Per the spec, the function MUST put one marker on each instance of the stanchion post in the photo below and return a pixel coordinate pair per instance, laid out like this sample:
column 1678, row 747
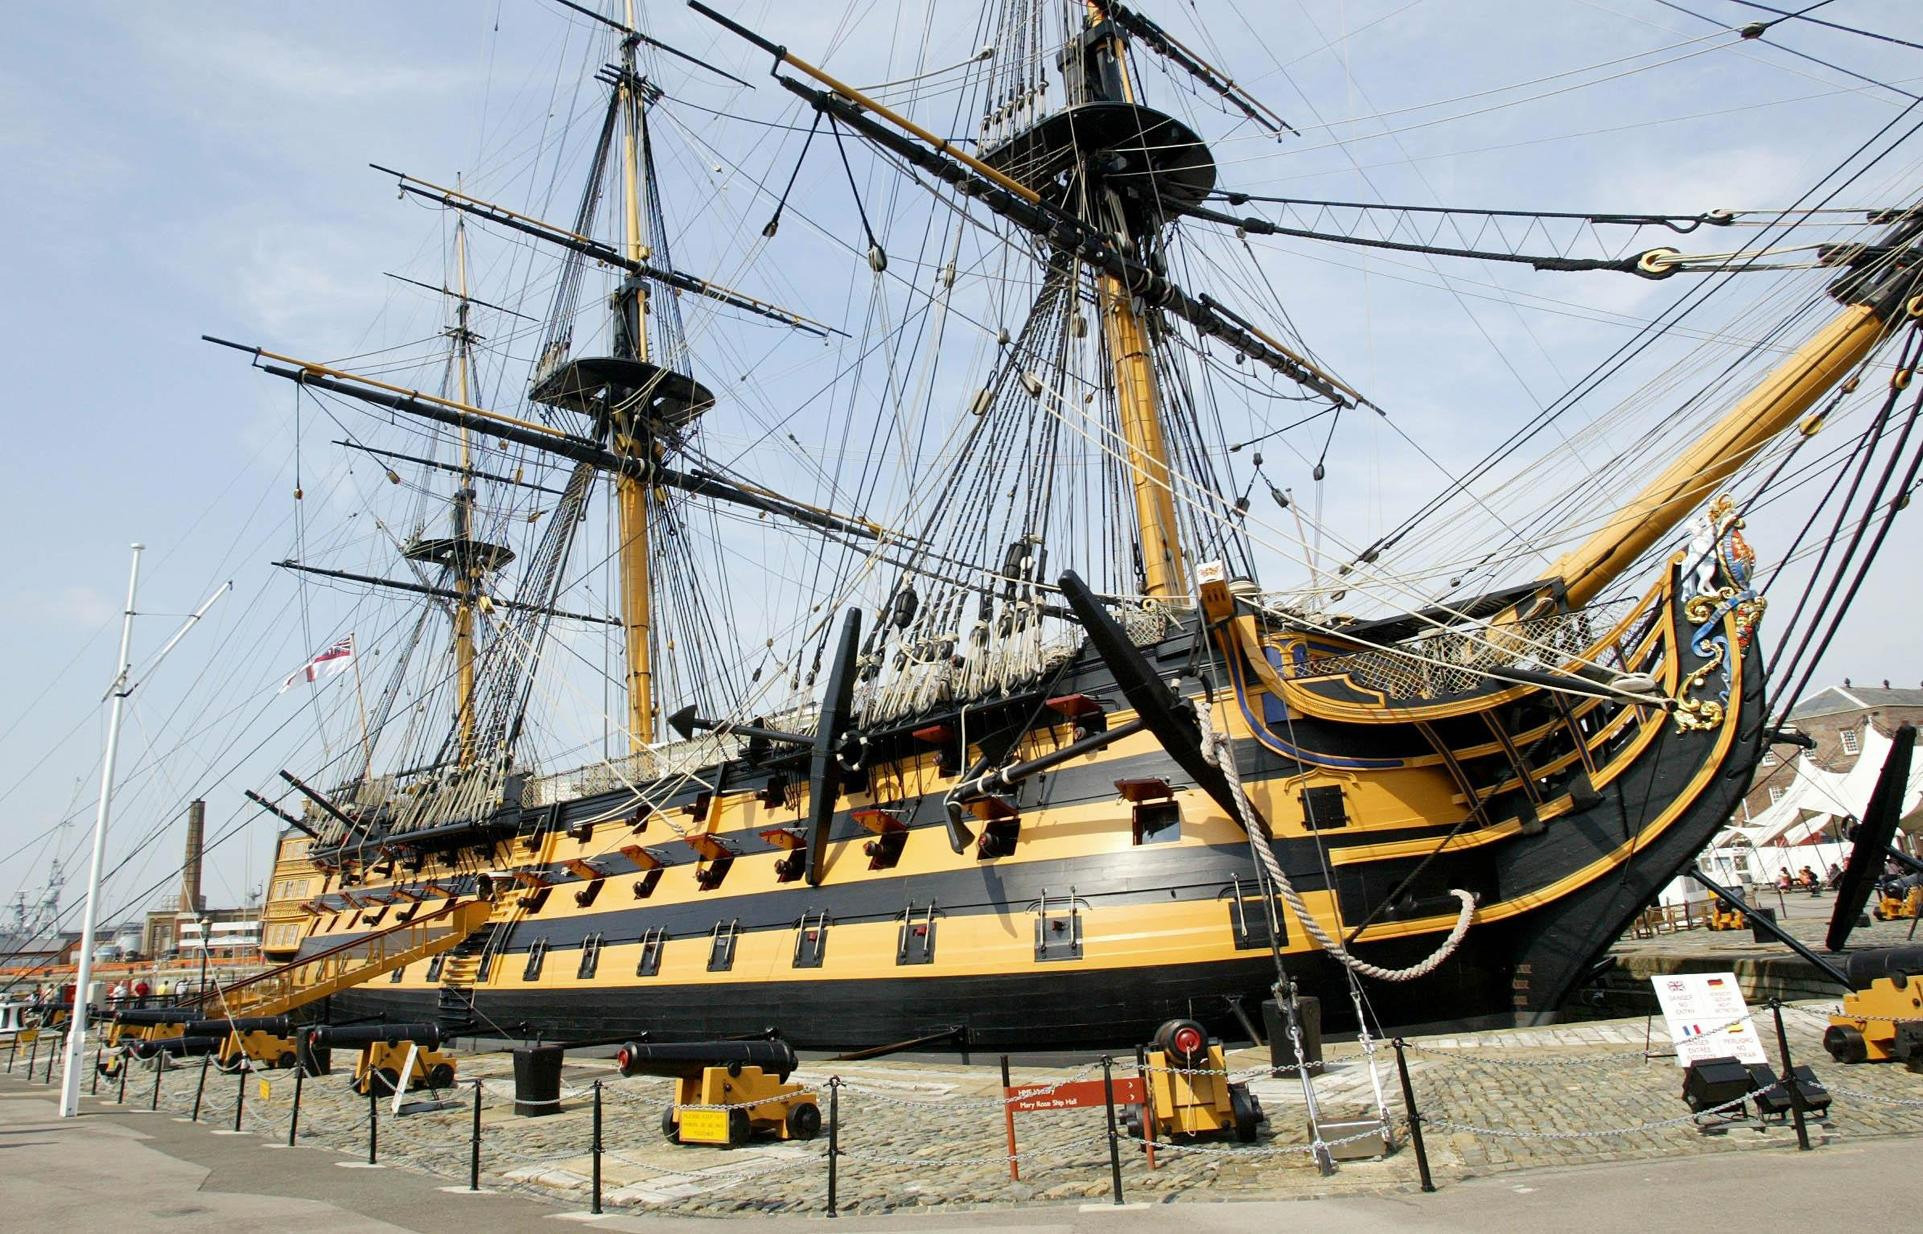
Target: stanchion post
column 1008, row 1122
column 1148, row 1106
column 1789, row 1079
column 160, row 1069
column 13, row 1052
column 1415, row 1118
column 33, row 1052
column 1114, row 1140
column 595, row 1207
column 240, row 1095
column 834, row 1134
column 293, row 1121
column 373, row 1117
column 200, row 1089
column 474, row 1143
column 51, row 1055
column 120, row 1098
column 93, row 1088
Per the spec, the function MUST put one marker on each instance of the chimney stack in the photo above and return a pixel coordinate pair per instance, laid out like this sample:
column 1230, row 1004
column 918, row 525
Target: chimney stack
column 190, row 898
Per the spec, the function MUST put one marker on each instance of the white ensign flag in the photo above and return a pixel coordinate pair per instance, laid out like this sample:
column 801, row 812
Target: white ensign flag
column 336, row 659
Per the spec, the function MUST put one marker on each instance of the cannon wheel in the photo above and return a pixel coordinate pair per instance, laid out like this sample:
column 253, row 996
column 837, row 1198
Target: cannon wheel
column 286, row 1061
column 1845, row 1044
column 804, row 1121
column 669, row 1130
column 1247, row 1113
column 389, row 1080
column 740, row 1127
column 440, row 1075
column 1132, row 1124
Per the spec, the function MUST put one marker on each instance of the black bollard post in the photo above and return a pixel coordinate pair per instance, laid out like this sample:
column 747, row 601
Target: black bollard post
column 1114, row 1141
column 1789, row 1079
column 33, row 1053
column 93, row 1087
column 474, row 1144
column 53, row 1054
column 293, row 1122
column 12, row 1053
column 595, row 1207
column 120, row 1098
column 240, row 1096
column 160, row 1068
column 834, row 1136
column 1415, row 1119
column 200, row 1089
column 373, row 1118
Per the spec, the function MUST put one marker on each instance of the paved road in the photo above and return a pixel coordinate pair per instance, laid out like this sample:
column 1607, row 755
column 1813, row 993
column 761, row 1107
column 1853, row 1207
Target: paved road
column 118, row 1168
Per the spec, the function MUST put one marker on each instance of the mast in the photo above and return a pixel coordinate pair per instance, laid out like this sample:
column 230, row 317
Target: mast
column 632, row 440
column 1879, row 294
column 90, row 914
column 465, row 581
column 1131, row 358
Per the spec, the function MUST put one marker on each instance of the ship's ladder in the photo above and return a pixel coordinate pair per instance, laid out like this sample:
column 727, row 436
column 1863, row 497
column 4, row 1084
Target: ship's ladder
column 308, row 979
column 467, row 963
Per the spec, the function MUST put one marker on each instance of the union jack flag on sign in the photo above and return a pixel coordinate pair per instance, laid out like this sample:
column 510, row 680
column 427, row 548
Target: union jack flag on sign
column 336, row 659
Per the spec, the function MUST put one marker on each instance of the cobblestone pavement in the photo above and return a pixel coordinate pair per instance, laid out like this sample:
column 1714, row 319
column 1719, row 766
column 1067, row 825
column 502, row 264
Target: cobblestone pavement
column 929, row 1136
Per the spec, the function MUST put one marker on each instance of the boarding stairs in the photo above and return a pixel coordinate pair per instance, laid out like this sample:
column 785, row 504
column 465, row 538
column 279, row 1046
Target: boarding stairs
column 468, row 962
column 355, row 962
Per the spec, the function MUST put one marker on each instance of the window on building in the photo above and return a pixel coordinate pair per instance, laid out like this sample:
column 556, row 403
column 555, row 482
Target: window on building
column 1775, row 793
column 1851, row 742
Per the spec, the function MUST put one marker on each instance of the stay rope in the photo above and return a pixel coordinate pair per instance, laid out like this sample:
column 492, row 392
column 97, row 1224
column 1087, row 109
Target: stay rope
column 1215, row 748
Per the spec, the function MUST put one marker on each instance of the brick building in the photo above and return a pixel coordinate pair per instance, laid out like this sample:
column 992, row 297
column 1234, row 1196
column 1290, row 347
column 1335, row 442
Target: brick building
column 1835, row 719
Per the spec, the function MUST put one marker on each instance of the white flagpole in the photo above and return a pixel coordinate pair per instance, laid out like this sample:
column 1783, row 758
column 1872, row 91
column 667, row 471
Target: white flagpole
column 90, row 916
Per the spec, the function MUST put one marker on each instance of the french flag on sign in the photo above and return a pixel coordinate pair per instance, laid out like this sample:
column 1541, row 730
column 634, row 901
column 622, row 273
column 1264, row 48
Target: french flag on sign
column 336, row 659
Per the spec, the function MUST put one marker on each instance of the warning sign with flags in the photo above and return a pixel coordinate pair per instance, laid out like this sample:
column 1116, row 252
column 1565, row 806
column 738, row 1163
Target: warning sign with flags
column 1707, row 1017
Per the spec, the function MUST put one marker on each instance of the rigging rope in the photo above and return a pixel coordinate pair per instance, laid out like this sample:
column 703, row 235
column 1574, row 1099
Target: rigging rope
column 1216, row 749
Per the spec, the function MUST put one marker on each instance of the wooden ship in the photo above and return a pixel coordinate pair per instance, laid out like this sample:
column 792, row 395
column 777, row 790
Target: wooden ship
column 1034, row 793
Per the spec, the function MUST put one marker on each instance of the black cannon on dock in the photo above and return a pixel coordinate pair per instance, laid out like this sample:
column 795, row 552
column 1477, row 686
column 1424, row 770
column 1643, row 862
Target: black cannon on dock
column 391, row 1055
column 726, row 1091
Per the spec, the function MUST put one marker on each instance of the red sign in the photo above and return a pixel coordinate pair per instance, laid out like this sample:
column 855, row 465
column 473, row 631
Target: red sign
column 1076, row 1095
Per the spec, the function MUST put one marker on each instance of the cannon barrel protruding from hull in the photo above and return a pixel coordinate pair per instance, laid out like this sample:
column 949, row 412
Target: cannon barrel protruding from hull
column 1864, row 967
column 278, row 1025
column 688, row 1059
column 191, row 1045
column 354, row 1036
column 147, row 1017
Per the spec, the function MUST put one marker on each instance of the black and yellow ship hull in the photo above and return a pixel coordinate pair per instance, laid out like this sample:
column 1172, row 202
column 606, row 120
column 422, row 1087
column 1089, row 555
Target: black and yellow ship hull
column 1114, row 907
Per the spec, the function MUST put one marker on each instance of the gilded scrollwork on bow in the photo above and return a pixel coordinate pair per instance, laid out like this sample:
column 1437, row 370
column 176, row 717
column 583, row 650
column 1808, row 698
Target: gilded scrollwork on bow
column 1722, row 564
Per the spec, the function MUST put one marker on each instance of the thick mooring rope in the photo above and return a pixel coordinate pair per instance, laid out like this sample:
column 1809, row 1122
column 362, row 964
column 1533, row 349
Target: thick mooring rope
column 1215, row 748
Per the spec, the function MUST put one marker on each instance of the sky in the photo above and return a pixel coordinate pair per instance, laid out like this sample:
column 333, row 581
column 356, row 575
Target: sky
column 177, row 171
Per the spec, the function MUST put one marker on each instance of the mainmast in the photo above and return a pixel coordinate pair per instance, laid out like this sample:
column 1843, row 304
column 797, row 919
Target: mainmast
column 632, row 439
column 1126, row 336
column 464, row 580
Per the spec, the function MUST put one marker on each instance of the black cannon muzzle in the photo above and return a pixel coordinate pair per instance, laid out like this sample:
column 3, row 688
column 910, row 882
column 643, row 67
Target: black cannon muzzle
column 148, row 1017
column 279, row 1025
column 179, row 1047
column 1866, row 966
column 354, row 1036
column 687, row 1059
